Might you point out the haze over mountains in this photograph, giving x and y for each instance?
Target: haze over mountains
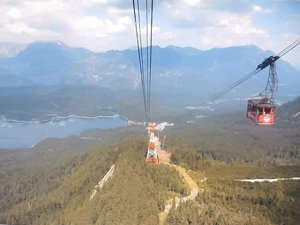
(10, 49)
(176, 71)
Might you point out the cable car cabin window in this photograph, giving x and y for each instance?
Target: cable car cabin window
(258, 110)
(252, 108)
(267, 110)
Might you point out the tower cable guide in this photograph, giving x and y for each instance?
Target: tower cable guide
(144, 33)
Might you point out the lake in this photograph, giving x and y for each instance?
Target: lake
(26, 134)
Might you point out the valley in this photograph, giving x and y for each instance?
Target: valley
(214, 151)
(181, 112)
(98, 176)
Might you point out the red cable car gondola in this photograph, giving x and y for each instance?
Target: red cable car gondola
(261, 110)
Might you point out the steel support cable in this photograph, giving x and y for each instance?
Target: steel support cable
(142, 61)
(235, 84)
(151, 44)
(280, 54)
(272, 84)
(219, 95)
(147, 58)
(140, 51)
(289, 48)
(149, 53)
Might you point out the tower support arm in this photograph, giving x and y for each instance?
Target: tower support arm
(267, 62)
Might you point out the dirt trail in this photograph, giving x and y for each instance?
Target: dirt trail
(170, 203)
(164, 158)
(102, 181)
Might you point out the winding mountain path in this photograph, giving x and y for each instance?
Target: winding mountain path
(173, 202)
(193, 194)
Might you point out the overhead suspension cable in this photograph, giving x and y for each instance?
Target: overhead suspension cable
(289, 48)
(260, 67)
(147, 56)
(145, 70)
(235, 84)
(140, 49)
(219, 95)
(150, 57)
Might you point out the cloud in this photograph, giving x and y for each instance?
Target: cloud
(204, 25)
(20, 27)
(257, 8)
(108, 24)
(92, 24)
(68, 21)
(14, 13)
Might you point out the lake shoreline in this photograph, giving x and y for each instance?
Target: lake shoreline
(17, 134)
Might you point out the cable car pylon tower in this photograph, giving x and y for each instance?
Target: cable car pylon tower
(144, 47)
(272, 84)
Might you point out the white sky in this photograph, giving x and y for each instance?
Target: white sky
(101, 25)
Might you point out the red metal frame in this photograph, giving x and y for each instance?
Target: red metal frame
(153, 144)
(261, 110)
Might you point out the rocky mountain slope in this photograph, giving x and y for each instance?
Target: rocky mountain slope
(187, 71)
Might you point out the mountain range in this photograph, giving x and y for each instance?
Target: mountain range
(176, 71)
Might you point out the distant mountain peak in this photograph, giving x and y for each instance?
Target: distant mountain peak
(198, 72)
(48, 42)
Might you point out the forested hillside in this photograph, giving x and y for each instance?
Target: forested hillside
(53, 185)
(135, 194)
